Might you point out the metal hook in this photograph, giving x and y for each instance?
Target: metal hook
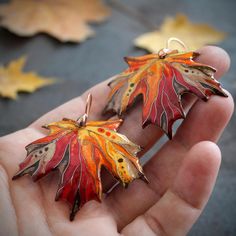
(178, 41)
(166, 51)
(87, 108)
(88, 104)
(83, 119)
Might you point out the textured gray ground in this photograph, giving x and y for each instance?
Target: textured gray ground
(104, 55)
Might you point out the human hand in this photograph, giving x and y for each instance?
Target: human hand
(181, 174)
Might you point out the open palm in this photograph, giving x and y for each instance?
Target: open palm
(181, 174)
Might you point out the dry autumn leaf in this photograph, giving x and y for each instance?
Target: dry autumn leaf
(194, 35)
(13, 80)
(65, 20)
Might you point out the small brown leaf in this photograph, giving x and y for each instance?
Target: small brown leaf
(12, 79)
(194, 35)
(62, 19)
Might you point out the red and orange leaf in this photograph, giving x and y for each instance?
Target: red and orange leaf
(161, 82)
(79, 152)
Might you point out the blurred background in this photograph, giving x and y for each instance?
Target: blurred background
(80, 66)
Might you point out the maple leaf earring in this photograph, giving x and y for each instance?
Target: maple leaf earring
(78, 149)
(161, 79)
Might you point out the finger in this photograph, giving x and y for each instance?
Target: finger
(215, 57)
(161, 170)
(181, 205)
(8, 224)
(205, 121)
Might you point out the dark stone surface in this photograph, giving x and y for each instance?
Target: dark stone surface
(103, 54)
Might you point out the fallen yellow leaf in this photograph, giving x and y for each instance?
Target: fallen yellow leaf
(65, 20)
(194, 35)
(13, 80)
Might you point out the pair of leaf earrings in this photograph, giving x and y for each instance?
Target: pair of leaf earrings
(78, 149)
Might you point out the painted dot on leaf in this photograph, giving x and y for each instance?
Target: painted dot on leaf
(120, 160)
(46, 149)
(108, 133)
(113, 136)
(101, 130)
(40, 152)
(131, 85)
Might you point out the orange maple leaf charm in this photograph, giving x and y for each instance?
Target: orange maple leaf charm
(161, 79)
(78, 149)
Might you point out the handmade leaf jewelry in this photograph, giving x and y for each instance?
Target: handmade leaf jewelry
(78, 149)
(161, 79)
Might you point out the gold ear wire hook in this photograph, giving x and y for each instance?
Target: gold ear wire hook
(88, 104)
(172, 39)
(165, 51)
(83, 119)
